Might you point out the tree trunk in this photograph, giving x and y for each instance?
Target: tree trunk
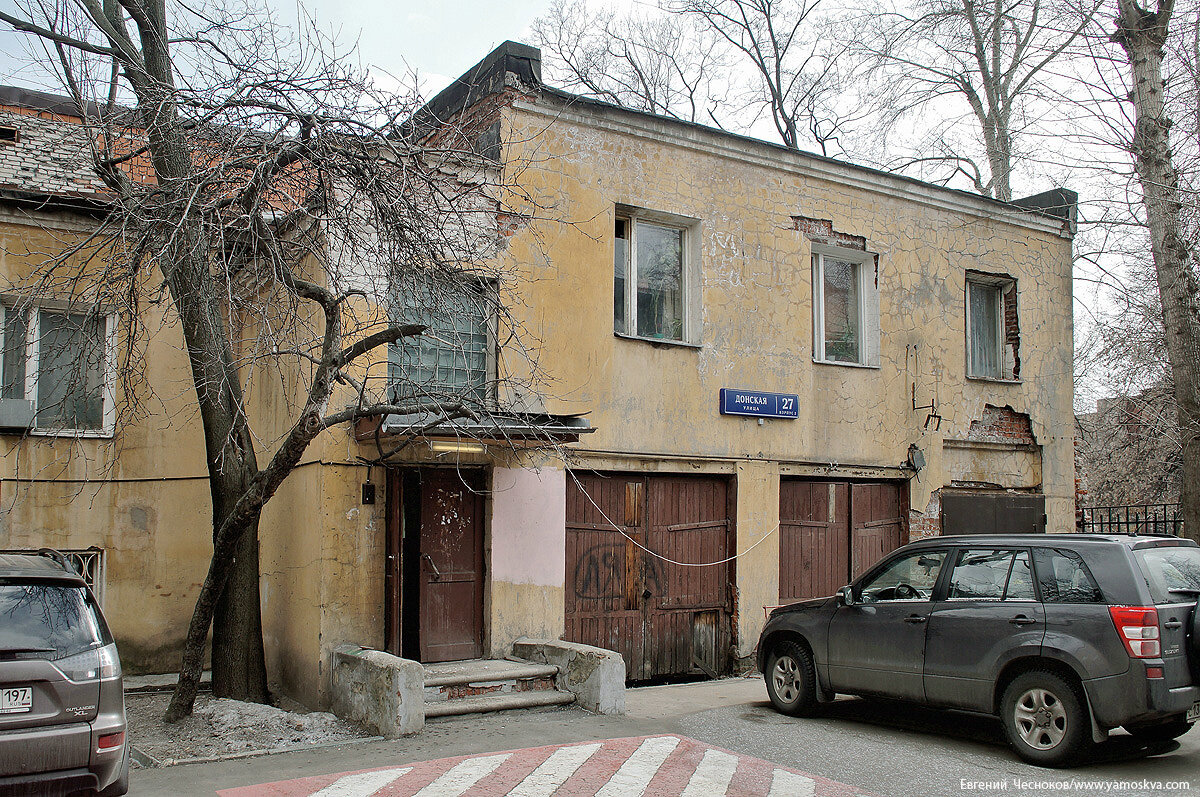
(239, 668)
(1143, 36)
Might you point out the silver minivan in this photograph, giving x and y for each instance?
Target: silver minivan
(62, 705)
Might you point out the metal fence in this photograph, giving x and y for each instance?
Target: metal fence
(1140, 519)
(88, 562)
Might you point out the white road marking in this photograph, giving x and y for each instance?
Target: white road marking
(640, 768)
(463, 776)
(363, 784)
(712, 776)
(789, 784)
(554, 771)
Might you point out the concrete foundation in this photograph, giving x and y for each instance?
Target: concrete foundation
(383, 692)
(595, 676)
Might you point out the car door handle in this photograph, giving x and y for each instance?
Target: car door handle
(1021, 619)
(1172, 624)
(914, 619)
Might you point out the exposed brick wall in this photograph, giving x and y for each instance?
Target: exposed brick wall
(927, 523)
(1002, 425)
(821, 231)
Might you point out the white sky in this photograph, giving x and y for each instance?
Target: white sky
(439, 39)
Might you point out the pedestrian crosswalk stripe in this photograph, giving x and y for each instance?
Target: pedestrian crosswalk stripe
(463, 776)
(789, 784)
(640, 768)
(712, 777)
(363, 784)
(554, 771)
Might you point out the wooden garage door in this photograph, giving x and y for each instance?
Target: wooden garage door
(831, 532)
(664, 619)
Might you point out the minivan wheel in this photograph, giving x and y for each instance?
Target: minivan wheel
(791, 680)
(1045, 718)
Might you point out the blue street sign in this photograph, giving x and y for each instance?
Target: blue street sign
(759, 403)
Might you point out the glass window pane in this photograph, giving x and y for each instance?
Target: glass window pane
(70, 378)
(909, 578)
(985, 329)
(980, 575)
(840, 304)
(659, 252)
(38, 617)
(1170, 568)
(1064, 578)
(620, 275)
(16, 328)
(448, 362)
(1020, 579)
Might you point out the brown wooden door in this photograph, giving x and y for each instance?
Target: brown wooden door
(877, 524)
(831, 532)
(663, 618)
(451, 565)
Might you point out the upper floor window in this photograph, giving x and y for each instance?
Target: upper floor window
(60, 362)
(993, 337)
(454, 359)
(651, 277)
(845, 306)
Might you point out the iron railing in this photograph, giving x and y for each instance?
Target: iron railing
(1136, 519)
(88, 562)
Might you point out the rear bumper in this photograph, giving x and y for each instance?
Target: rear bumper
(1131, 698)
(48, 784)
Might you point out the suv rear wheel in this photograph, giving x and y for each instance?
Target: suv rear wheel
(791, 680)
(1045, 719)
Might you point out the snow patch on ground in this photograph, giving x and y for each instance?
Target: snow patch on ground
(222, 727)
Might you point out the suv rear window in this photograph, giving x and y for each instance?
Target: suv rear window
(1168, 568)
(52, 621)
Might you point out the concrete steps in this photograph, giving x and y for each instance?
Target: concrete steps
(482, 685)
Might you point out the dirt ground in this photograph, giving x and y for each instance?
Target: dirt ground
(220, 727)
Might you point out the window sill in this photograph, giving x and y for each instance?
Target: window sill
(994, 380)
(846, 364)
(79, 434)
(659, 341)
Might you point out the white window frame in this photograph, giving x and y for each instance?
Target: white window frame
(868, 304)
(32, 341)
(689, 272)
(1001, 286)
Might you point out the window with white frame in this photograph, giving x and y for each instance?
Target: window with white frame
(453, 360)
(61, 361)
(845, 306)
(652, 276)
(993, 337)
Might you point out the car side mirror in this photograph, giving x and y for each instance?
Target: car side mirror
(846, 595)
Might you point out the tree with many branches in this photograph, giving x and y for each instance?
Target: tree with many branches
(299, 224)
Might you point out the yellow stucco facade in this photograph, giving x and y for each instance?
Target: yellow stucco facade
(748, 211)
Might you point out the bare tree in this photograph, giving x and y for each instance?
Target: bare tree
(993, 60)
(799, 61)
(645, 60)
(1143, 34)
(299, 223)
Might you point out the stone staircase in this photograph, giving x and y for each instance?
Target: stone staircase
(482, 685)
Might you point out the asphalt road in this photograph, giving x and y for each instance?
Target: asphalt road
(884, 749)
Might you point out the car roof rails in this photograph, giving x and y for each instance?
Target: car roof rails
(58, 557)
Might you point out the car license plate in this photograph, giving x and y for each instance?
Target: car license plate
(1193, 714)
(16, 700)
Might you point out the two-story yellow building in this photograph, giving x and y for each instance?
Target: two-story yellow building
(774, 367)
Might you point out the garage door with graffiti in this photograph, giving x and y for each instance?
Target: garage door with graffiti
(664, 618)
(831, 532)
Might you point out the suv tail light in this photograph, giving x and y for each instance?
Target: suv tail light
(1138, 628)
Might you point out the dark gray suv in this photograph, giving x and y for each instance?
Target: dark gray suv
(62, 707)
(1064, 636)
